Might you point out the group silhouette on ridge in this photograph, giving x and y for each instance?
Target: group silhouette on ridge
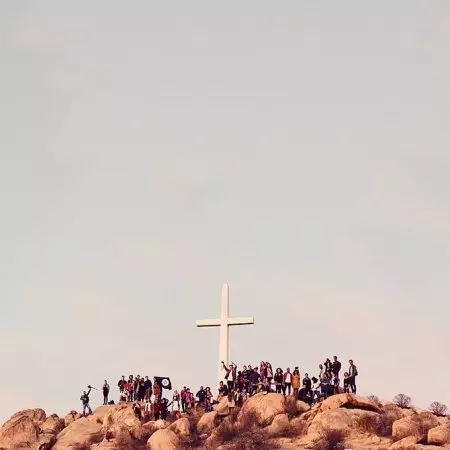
(148, 402)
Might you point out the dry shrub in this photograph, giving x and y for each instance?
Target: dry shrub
(242, 434)
(293, 429)
(123, 440)
(381, 424)
(226, 431)
(403, 401)
(248, 420)
(331, 439)
(193, 440)
(374, 399)
(439, 409)
(425, 421)
(392, 410)
(251, 440)
(290, 406)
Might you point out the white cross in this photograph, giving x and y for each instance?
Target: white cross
(224, 323)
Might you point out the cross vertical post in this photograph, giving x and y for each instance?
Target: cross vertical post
(224, 322)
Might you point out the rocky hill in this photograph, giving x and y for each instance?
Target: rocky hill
(268, 422)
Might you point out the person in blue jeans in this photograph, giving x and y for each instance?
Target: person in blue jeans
(85, 401)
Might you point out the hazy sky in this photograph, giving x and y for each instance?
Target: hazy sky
(151, 151)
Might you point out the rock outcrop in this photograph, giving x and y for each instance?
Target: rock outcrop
(163, 440)
(439, 435)
(265, 407)
(354, 421)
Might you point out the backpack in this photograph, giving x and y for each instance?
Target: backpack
(356, 372)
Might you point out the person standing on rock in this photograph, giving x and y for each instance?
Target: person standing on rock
(336, 368)
(148, 388)
(296, 381)
(85, 401)
(278, 378)
(121, 384)
(353, 373)
(287, 382)
(105, 392)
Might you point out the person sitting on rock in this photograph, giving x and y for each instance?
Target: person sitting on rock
(164, 408)
(316, 389)
(147, 409)
(191, 400)
(156, 406)
(85, 401)
(260, 385)
(223, 391)
(176, 405)
(137, 410)
(231, 402)
(346, 382)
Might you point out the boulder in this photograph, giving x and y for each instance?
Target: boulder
(18, 432)
(82, 432)
(439, 435)
(264, 406)
(222, 407)
(71, 417)
(103, 410)
(298, 426)
(46, 441)
(342, 419)
(416, 424)
(53, 424)
(279, 425)
(37, 415)
(207, 422)
(426, 420)
(405, 427)
(406, 442)
(350, 401)
(116, 418)
(302, 407)
(107, 445)
(181, 427)
(163, 440)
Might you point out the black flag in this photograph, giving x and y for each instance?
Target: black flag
(164, 382)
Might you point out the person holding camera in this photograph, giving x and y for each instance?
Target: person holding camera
(85, 401)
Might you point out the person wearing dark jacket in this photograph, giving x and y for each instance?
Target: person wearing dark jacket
(121, 384)
(148, 388)
(105, 392)
(85, 401)
(278, 380)
(253, 384)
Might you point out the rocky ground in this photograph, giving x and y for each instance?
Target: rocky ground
(266, 422)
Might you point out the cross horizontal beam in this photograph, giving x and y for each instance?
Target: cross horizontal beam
(231, 321)
(208, 323)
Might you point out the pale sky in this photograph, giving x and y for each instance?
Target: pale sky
(151, 151)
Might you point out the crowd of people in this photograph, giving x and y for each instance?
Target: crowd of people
(238, 385)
